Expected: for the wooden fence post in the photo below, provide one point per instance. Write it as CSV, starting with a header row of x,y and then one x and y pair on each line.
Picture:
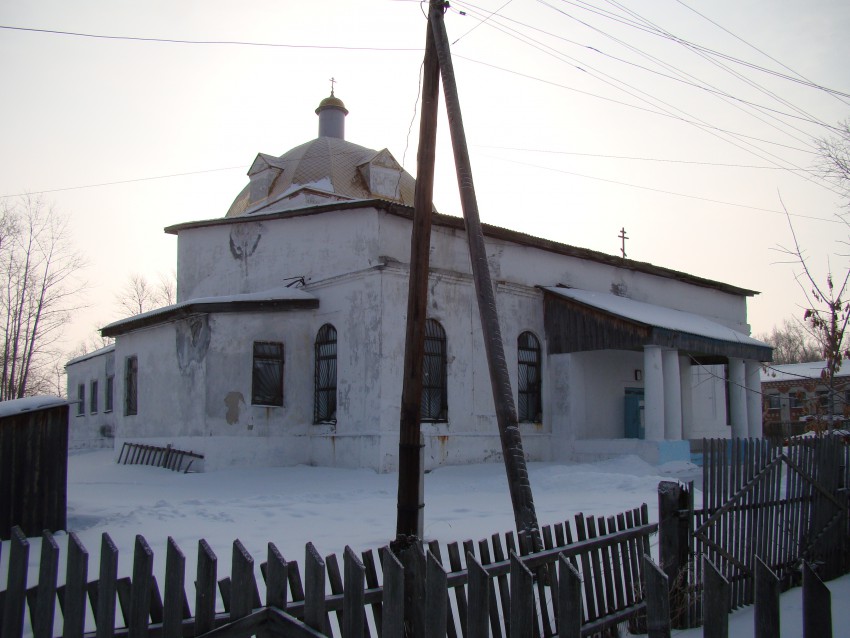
x,y
657,600
570,612
140,592
16,586
673,545
315,615
817,605
715,596
276,575
766,616
205,589
478,599
175,575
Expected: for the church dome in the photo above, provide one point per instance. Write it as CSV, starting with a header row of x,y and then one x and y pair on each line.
x,y
322,171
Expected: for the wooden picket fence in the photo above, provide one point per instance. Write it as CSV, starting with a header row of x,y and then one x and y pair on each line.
x,y
168,457
582,583
787,505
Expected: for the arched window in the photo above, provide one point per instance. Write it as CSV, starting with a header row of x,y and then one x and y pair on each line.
x,y
324,406
434,395
528,356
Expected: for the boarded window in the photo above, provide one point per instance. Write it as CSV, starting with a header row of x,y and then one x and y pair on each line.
x,y
529,408
108,394
93,397
131,386
81,399
324,409
434,395
267,377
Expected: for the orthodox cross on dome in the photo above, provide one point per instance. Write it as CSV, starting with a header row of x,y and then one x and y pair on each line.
x,y
332,81
623,237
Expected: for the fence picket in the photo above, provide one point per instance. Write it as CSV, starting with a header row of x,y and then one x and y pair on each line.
x,y
817,606
715,602
205,587
495,623
436,600
459,591
368,558
766,616
106,588
354,609
657,600
140,589
393,598
478,586
175,572
451,629
15,603
315,615
76,574
522,599
570,614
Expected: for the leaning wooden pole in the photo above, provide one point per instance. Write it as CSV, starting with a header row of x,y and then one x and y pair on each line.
x,y
518,482
409,519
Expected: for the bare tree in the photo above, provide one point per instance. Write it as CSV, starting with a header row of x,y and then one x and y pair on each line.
x,y
833,163
792,343
42,271
140,295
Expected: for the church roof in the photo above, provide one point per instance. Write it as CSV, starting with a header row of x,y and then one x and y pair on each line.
x,y
323,170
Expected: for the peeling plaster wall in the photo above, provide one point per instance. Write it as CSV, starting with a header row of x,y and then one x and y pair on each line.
x,y
90,430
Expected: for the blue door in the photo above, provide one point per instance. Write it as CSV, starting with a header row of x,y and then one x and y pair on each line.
x,y
634,413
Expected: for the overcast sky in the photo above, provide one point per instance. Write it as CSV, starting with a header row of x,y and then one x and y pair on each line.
x,y
682,122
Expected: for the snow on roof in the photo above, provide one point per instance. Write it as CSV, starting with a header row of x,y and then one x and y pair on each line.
x,y
658,316
275,294
30,404
91,355
792,371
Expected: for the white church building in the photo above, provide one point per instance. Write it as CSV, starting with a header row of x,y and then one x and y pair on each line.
x,y
286,344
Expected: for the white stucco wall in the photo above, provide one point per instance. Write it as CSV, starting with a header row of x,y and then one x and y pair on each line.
x,y
92,428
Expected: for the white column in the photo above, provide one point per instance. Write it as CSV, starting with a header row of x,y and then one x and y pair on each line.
x,y
738,398
687,385
672,395
653,394
754,400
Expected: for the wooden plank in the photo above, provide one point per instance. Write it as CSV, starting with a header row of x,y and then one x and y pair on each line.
x,y
766,615
175,574
715,602
242,583
368,558
205,587
315,614
156,607
393,597
76,575
436,600
276,582
608,575
334,576
459,592
587,571
48,572
625,563
502,583
477,616
522,599
451,629
817,605
140,596
296,588
495,622
106,588
354,603
657,600
16,584
570,614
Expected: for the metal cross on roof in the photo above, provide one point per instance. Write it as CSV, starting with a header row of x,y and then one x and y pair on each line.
x,y
333,81
623,237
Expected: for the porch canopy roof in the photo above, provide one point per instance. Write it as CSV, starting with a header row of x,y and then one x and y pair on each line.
x,y
581,320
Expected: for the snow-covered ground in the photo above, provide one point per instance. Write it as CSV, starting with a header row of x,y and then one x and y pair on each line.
x,y
334,508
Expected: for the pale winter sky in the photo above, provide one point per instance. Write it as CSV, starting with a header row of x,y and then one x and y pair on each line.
x,y
582,117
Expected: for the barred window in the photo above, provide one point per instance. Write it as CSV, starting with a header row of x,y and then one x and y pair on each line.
x,y
434,394
93,397
529,408
324,406
131,389
81,399
773,402
110,386
267,377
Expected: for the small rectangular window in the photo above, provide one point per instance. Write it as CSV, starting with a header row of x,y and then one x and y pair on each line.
x,y
81,399
110,384
93,397
267,374
131,386
773,401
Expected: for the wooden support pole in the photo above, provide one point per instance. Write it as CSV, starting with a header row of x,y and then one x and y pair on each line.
x,y
506,417
409,521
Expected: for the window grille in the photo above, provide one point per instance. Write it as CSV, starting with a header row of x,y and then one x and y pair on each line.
x,y
529,379
434,394
81,399
93,397
267,377
131,382
324,405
